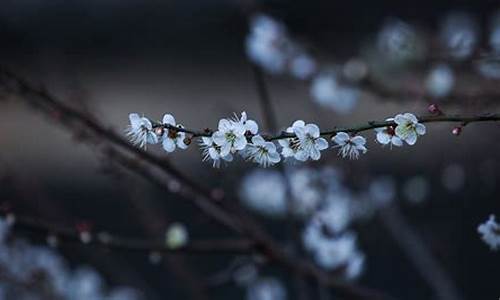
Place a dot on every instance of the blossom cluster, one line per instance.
(25, 263)
(240, 135)
(490, 232)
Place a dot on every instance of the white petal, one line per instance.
(169, 119)
(300, 132)
(180, 142)
(383, 138)
(152, 138)
(396, 141)
(258, 140)
(243, 117)
(225, 125)
(361, 148)
(207, 140)
(298, 123)
(240, 143)
(213, 153)
(238, 128)
(420, 128)
(321, 144)
(358, 140)
(400, 119)
(168, 145)
(312, 130)
(315, 154)
(228, 157)
(146, 123)
(135, 120)
(274, 157)
(301, 155)
(270, 147)
(411, 139)
(287, 152)
(411, 117)
(225, 149)
(341, 138)
(252, 126)
(219, 138)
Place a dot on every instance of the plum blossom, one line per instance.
(172, 138)
(250, 125)
(262, 152)
(211, 150)
(350, 146)
(307, 144)
(140, 131)
(408, 128)
(387, 135)
(230, 137)
(490, 233)
(264, 191)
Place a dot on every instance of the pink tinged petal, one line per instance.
(420, 128)
(321, 144)
(383, 138)
(225, 149)
(358, 140)
(298, 123)
(135, 120)
(312, 130)
(315, 154)
(411, 139)
(411, 117)
(400, 119)
(252, 126)
(240, 143)
(341, 138)
(168, 145)
(168, 119)
(396, 141)
(219, 138)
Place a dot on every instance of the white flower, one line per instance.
(212, 151)
(250, 125)
(349, 146)
(387, 135)
(490, 231)
(230, 137)
(262, 152)
(408, 128)
(440, 81)
(172, 137)
(140, 131)
(264, 191)
(306, 144)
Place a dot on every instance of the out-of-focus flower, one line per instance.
(172, 138)
(230, 137)
(382, 190)
(489, 66)
(459, 33)
(262, 152)
(329, 93)
(304, 187)
(408, 128)
(265, 192)
(399, 41)
(140, 131)
(387, 135)
(335, 214)
(355, 69)
(350, 146)
(302, 66)
(494, 38)
(416, 189)
(490, 233)
(266, 288)
(440, 81)
(176, 236)
(210, 150)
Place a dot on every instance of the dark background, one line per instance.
(187, 58)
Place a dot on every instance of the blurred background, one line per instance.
(192, 59)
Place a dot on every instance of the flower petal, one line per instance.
(252, 126)
(420, 128)
(358, 140)
(383, 138)
(312, 130)
(240, 143)
(169, 119)
(168, 145)
(135, 120)
(341, 138)
(321, 144)
(411, 139)
(219, 138)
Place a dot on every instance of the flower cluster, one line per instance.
(490, 231)
(37, 266)
(240, 135)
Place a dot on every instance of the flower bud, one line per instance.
(457, 130)
(434, 109)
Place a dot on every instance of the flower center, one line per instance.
(230, 136)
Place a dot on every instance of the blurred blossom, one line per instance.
(399, 41)
(489, 66)
(266, 288)
(382, 190)
(176, 236)
(264, 191)
(440, 81)
(494, 38)
(302, 66)
(355, 69)
(335, 214)
(490, 232)
(329, 93)
(25, 263)
(459, 34)
(355, 265)
(416, 189)
(306, 192)
(245, 274)
(453, 177)
(269, 46)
